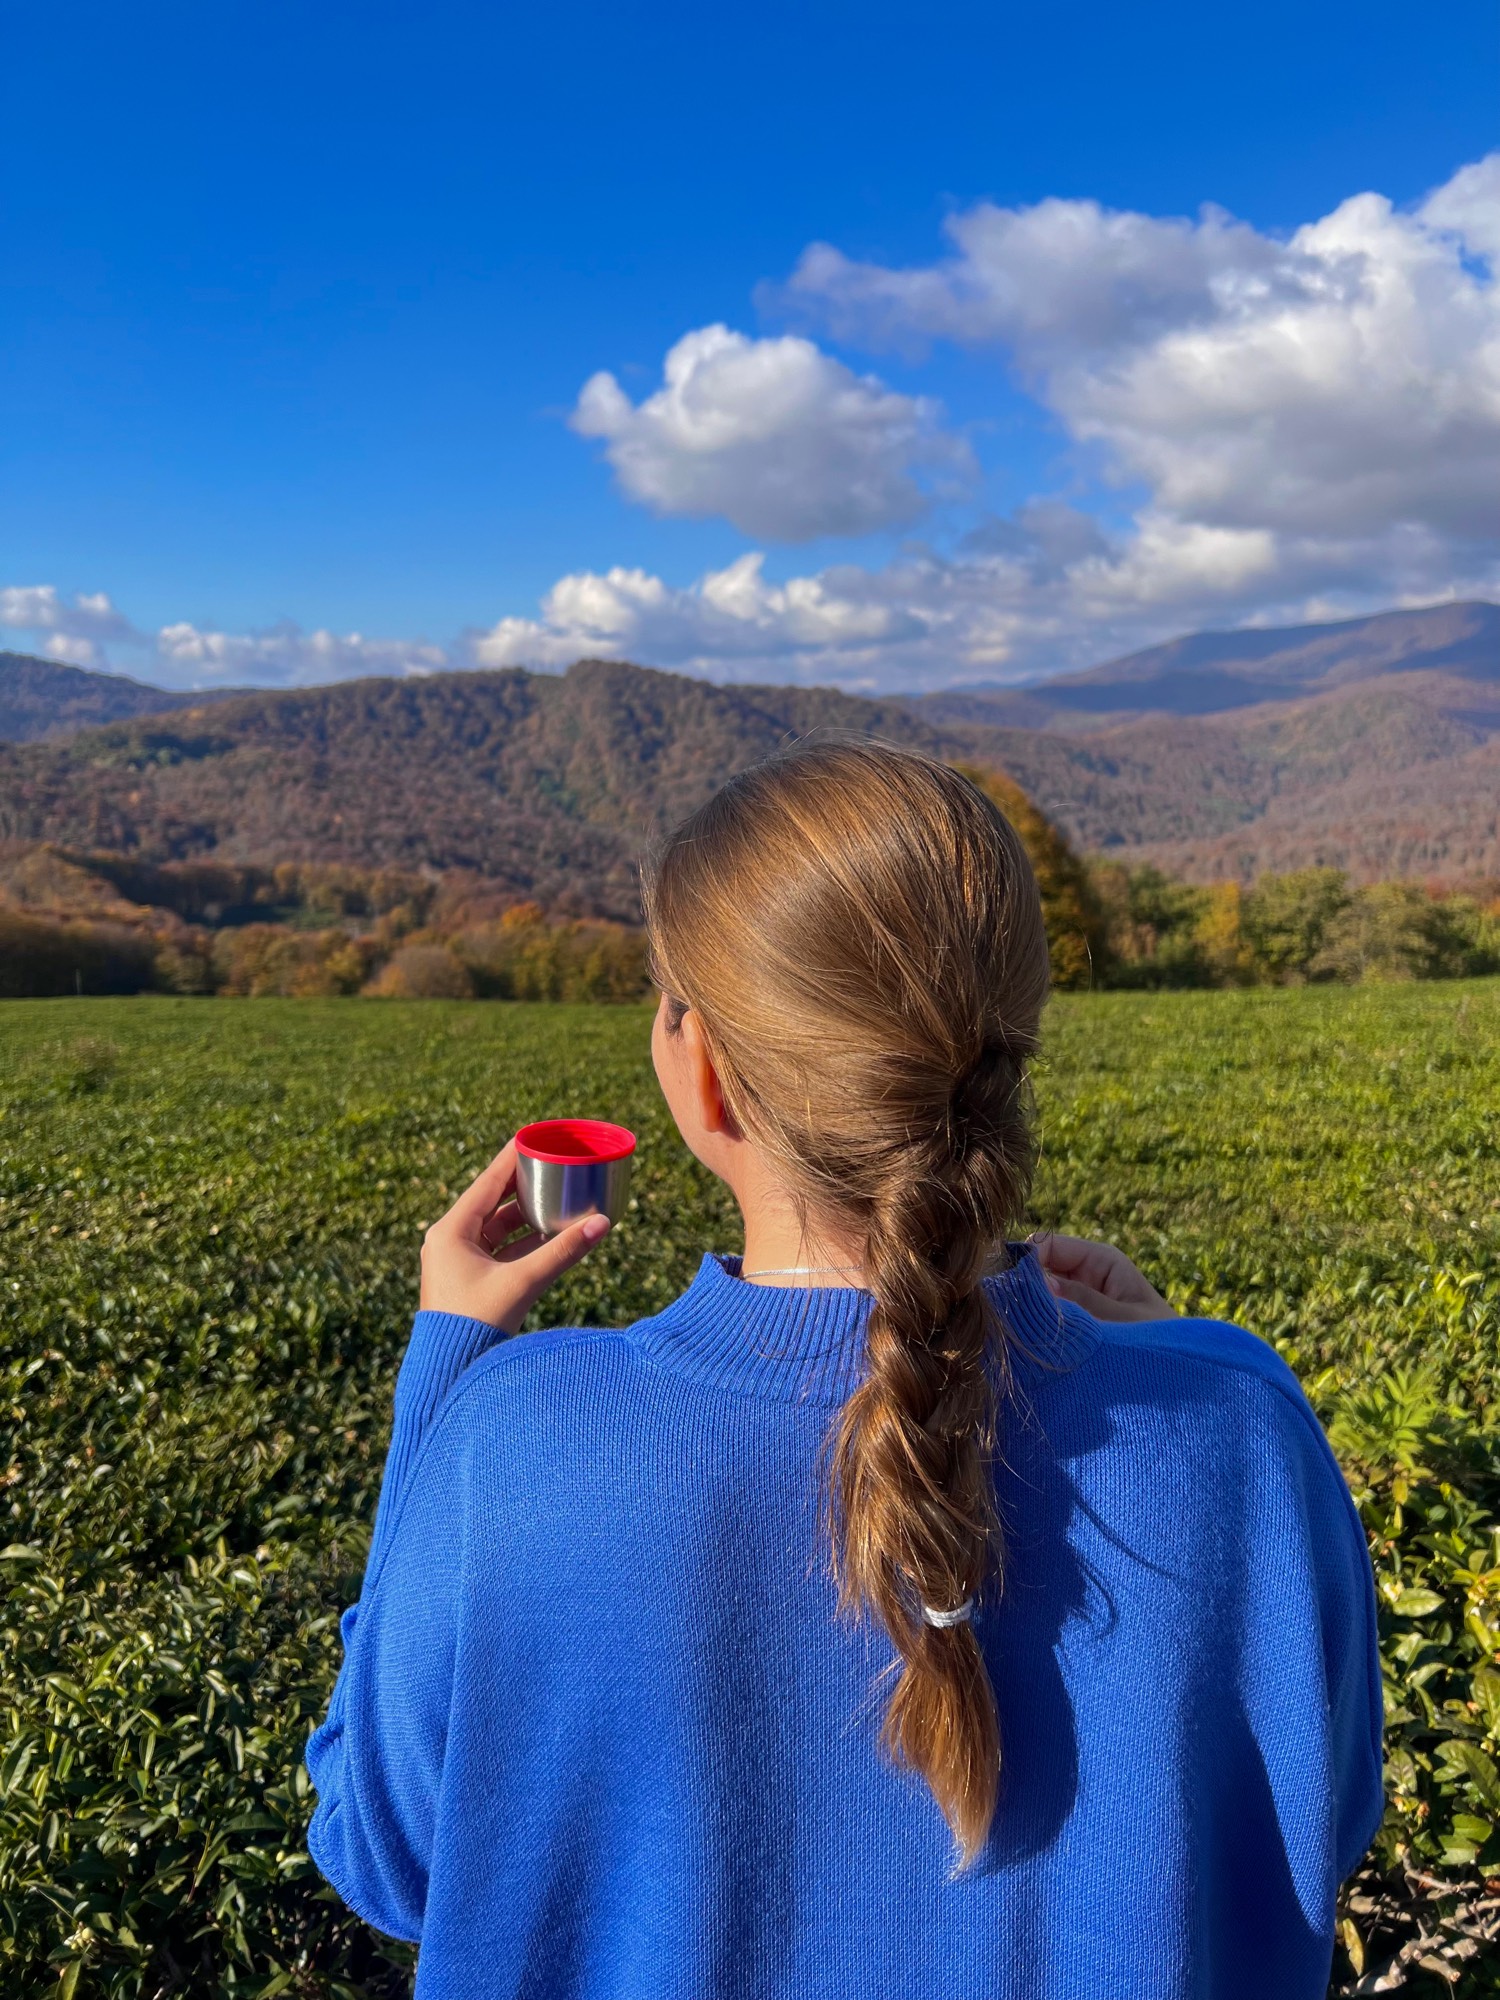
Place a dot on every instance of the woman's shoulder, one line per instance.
(1216, 1343)
(1061, 1338)
(1226, 1381)
(527, 1389)
(1214, 1373)
(534, 1368)
(1208, 1415)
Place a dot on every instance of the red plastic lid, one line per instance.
(571, 1142)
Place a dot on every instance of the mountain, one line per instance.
(1371, 745)
(1386, 778)
(1205, 673)
(546, 784)
(44, 698)
(1395, 777)
(1212, 673)
(1384, 760)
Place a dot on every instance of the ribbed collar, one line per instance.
(807, 1343)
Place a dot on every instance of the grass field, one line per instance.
(211, 1213)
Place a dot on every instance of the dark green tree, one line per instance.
(1286, 919)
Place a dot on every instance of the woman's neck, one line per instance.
(781, 1249)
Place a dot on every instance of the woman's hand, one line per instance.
(469, 1267)
(1099, 1278)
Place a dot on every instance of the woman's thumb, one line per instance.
(561, 1252)
(527, 1277)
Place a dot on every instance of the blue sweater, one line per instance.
(599, 1735)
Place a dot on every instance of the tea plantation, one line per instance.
(210, 1214)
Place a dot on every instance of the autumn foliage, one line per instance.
(90, 921)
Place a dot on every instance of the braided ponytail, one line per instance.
(911, 1502)
(860, 933)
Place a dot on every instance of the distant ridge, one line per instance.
(1212, 673)
(1202, 673)
(1383, 760)
(40, 698)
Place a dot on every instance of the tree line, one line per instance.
(74, 921)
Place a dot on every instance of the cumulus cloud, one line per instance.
(85, 630)
(1270, 429)
(1306, 425)
(1469, 207)
(777, 437)
(1343, 382)
(1039, 593)
(730, 617)
(1060, 274)
(71, 630)
(285, 655)
(1042, 592)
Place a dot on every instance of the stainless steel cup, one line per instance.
(567, 1168)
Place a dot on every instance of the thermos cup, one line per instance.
(567, 1168)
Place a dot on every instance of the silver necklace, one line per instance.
(801, 1270)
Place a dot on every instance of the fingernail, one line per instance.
(595, 1227)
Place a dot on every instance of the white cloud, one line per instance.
(1042, 593)
(184, 655)
(777, 437)
(1310, 425)
(728, 618)
(1288, 429)
(1343, 382)
(1469, 207)
(72, 631)
(71, 651)
(285, 655)
(1061, 274)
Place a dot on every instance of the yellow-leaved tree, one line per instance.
(1070, 909)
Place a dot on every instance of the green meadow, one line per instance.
(211, 1213)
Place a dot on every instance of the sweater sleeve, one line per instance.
(376, 1759)
(441, 1347)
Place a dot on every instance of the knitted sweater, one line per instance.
(599, 1734)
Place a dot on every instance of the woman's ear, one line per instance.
(703, 1080)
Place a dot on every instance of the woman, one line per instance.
(876, 1620)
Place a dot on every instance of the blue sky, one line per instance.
(297, 307)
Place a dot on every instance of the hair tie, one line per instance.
(960, 1615)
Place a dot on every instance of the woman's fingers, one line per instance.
(1101, 1267)
(505, 1221)
(542, 1259)
(467, 1267)
(1102, 1306)
(1059, 1252)
(1093, 1264)
(484, 1193)
(532, 1263)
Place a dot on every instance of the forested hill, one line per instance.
(545, 783)
(45, 698)
(1387, 764)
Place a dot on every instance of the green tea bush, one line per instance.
(211, 1216)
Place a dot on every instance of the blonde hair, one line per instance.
(859, 932)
